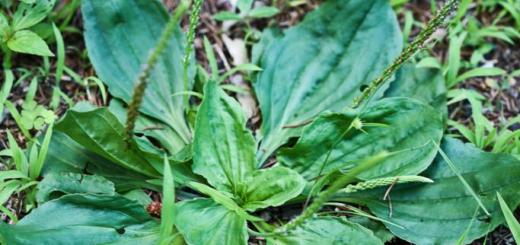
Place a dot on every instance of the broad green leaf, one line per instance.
(118, 43)
(72, 183)
(99, 131)
(144, 234)
(28, 42)
(64, 155)
(223, 148)
(327, 230)
(140, 196)
(426, 85)
(271, 187)
(123, 178)
(321, 64)
(440, 213)
(84, 219)
(402, 126)
(513, 224)
(28, 15)
(204, 222)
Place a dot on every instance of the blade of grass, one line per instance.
(466, 232)
(17, 154)
(31, 93)
(18, 119)
(212, 60)
(464, 182)
(9, 214)
(513, 224)
(480, 72)
(101, 87)
(6, 89)
(60, 50)
(36, 167)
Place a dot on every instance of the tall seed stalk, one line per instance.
(194, 22)
(147, 68)
(418, 44)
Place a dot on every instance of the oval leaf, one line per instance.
(72, 183)
(119, 35)
(321, 64)
(204, 222)
(403, 126)
(272, 187)
(99, 131)
(28, 42)
(83, 219)
(223, 148)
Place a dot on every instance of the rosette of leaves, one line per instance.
(224, 153)
(15, 33)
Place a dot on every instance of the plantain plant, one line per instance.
(376, 148)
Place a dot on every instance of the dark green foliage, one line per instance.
(118, 53)
(321, 65)
(338, 141)
(440, 213)
(84, 219)
(96, 177)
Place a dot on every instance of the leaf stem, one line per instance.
(142, 79)
(418, 44)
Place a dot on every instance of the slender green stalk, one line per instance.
(326, 195)
(194, 21)
(415, 46)
(142, 79)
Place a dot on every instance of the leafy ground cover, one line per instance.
(285, 122)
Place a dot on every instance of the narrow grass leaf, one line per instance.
(513, 224)
(168, 203)
(464, 182)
